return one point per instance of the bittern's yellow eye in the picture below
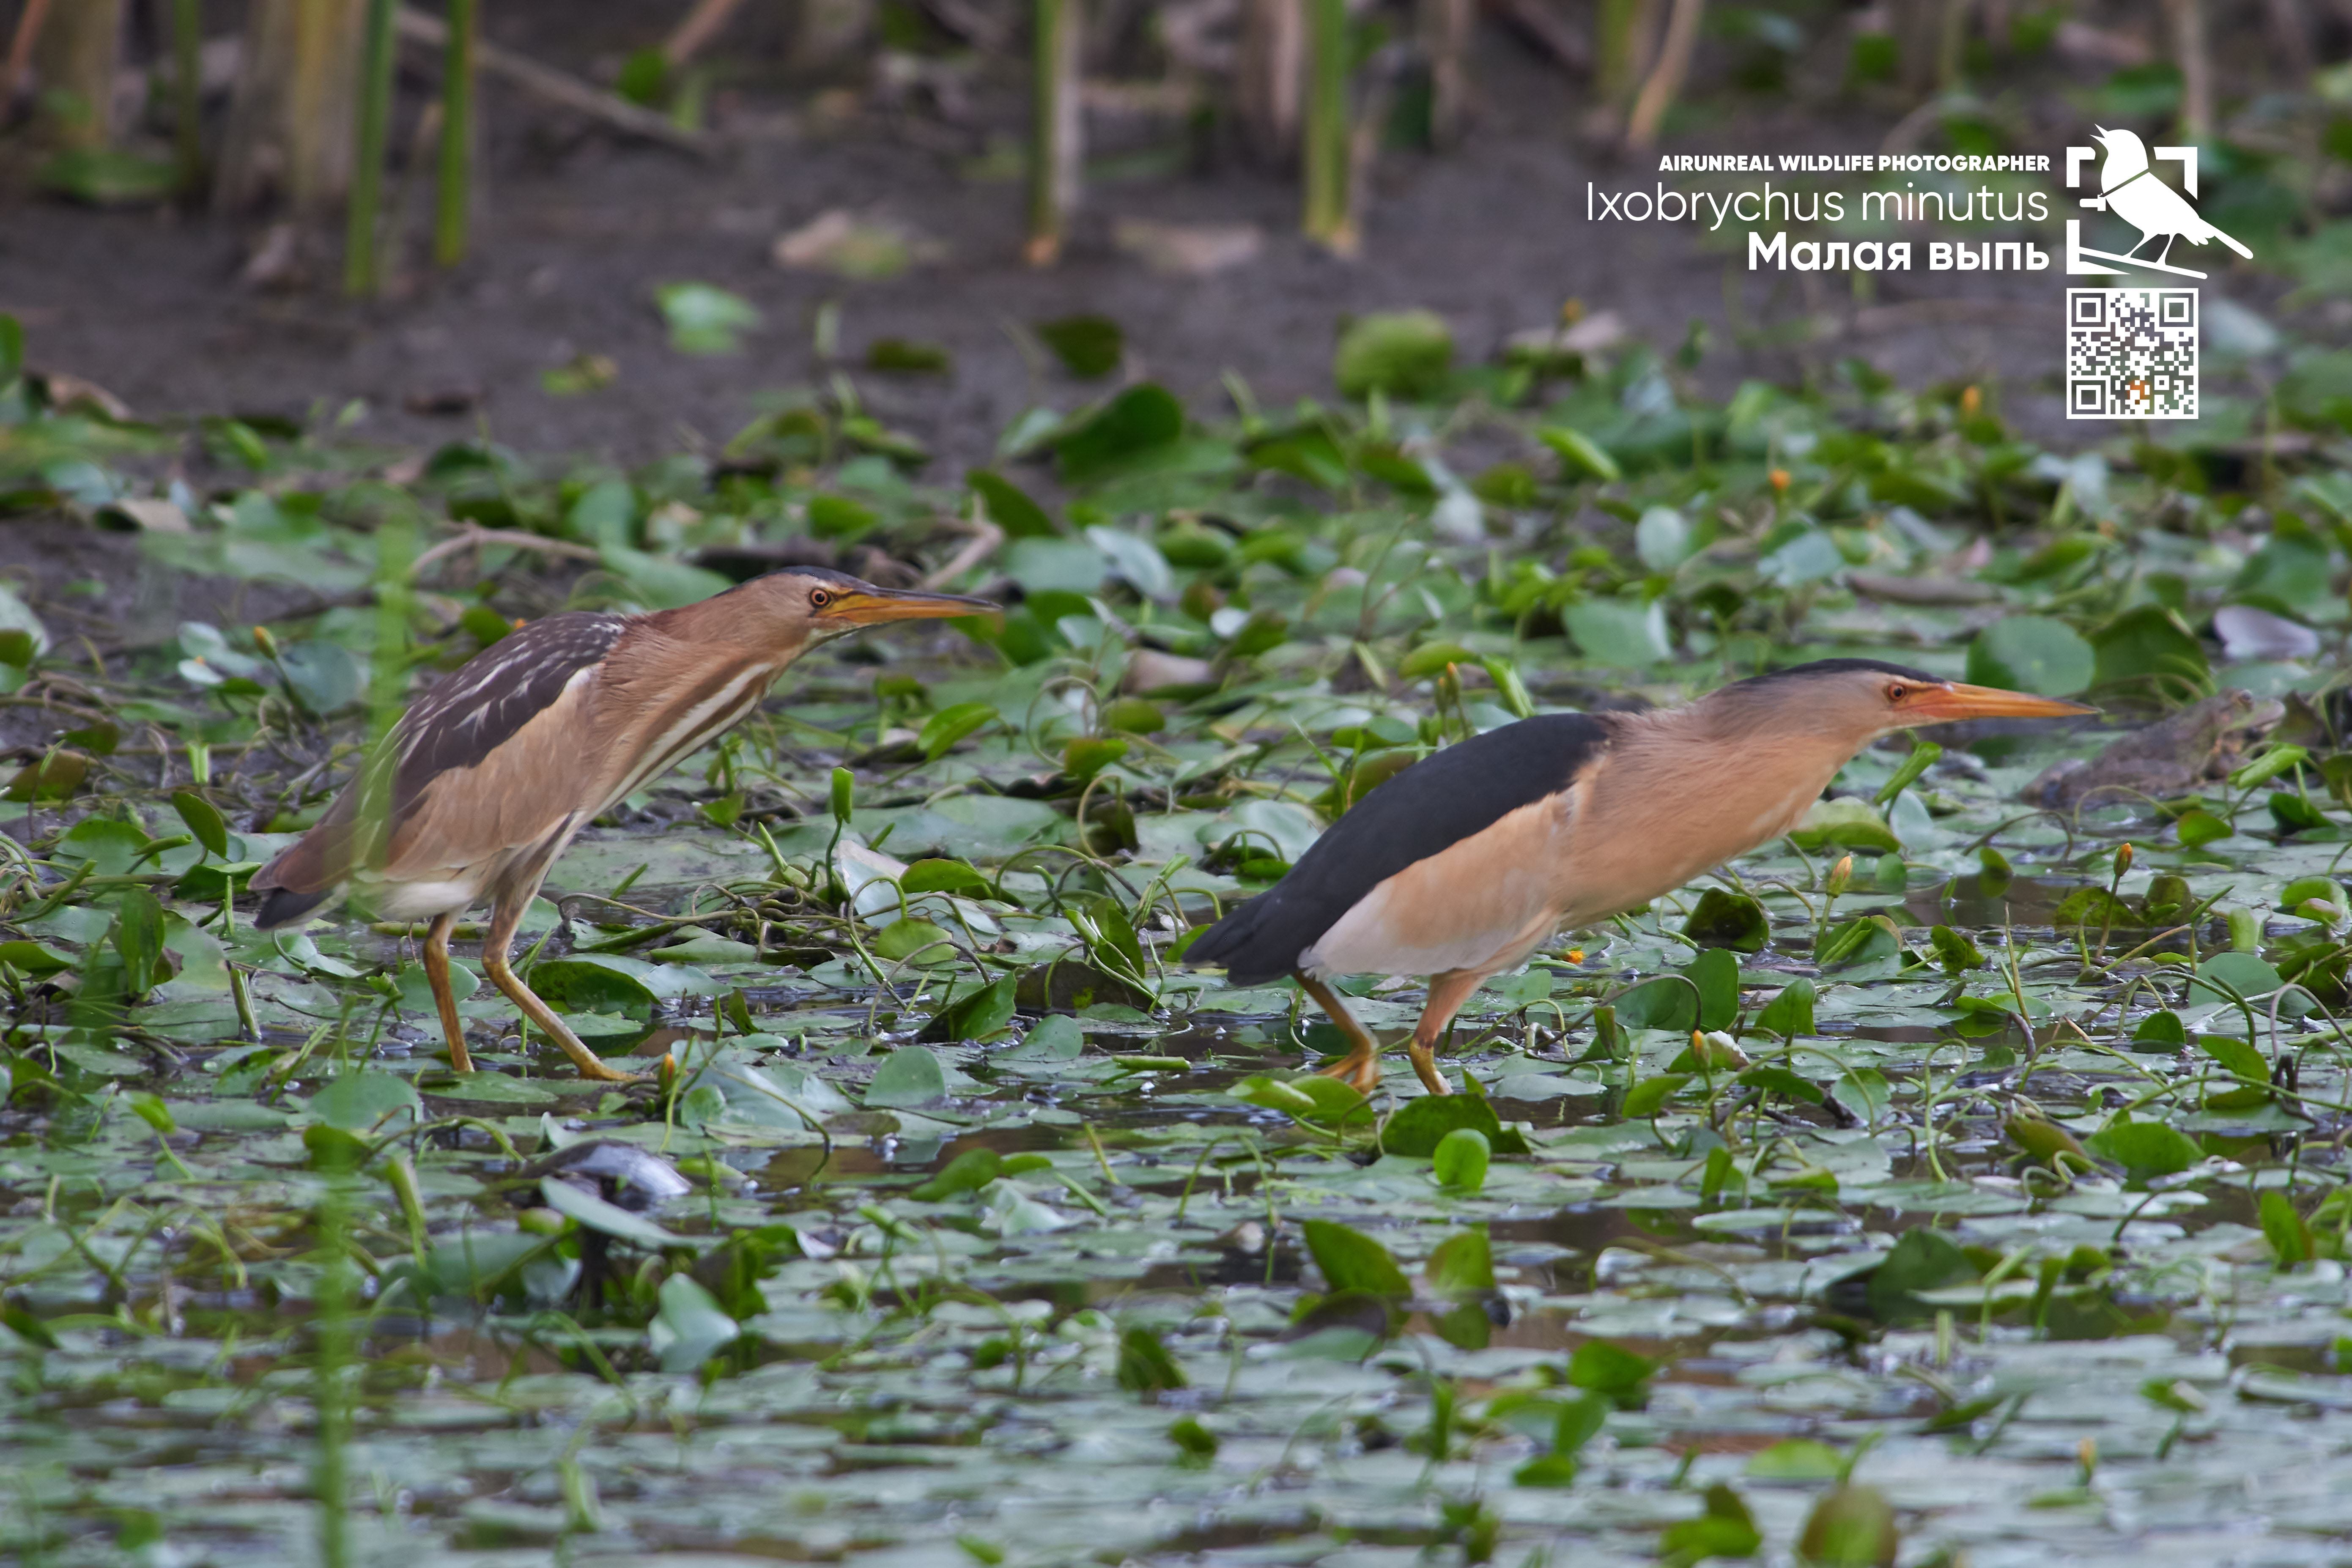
(1897, 694)
(819, 598)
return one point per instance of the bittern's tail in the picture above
(284, 907)
(1235, 943)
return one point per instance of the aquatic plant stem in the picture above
(455, 197)
(1056, 139)
(361, 242)
(1324, 215)
(188, 93)
(330, 1480)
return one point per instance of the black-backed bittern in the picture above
(482, 783)
(1461, 865)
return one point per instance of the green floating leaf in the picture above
(2032, 653)
(2145, 1149)
(1796, 1459)
(360, 1102)
(1790, 1012)
(1851, 1527)
(1195, 1443)
(1715, 974)
(918, 941)
(1613, 1371)
(203, 820)
(1956, 952)
(1463, 1263)
(2287, 1232)
(689, 1326)
(1459, 1160)
(1009, 506)
(1847, 823)
(705, 320)
(609, 1219)
(904, 356)
(139, 939)
(1417, 1130)
(2149, 645)
(1580, 455)
(1923, 1259)
(1726, 1529)
(1145, 1367)
(967, 1173)
(1088, 345)
(1404, 353)
(1649, 1097)
(2198, 828)
(1667, 1001)
(1619, 634)
(1432, 657)
(1722, 917)
(909, 1076)
(1351, 1261)
(1141, 420)
(979, 1013)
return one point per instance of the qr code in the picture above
(2131, 354)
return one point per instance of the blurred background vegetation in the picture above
(357, 122)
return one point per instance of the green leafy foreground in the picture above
(1962, 1177)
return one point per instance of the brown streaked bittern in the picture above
(482, 783)
(1461, 865)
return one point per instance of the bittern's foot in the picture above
(1360, 1070)
(1424, 1067)
(592, 1067)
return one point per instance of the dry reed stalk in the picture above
(1666, 80)
(1273, 64)
(1445, 30)
(290, 128)
(1058, 130)
(76, 55)
(2184, 27)
(1323, 215)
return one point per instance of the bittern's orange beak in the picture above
(865, 606)
(1951, 703)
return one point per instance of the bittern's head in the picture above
(1853, 701)
(813, 604)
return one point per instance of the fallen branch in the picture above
(701, 25)
(20, 51)
(985, 537)
(1548, 30)
(513, 538)
(556, 86)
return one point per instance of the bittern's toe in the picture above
(1360, 1070)
(1424, 1067)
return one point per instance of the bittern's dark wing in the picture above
(465, 718)
(1430, 807)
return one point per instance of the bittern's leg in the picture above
(1360, 1067)
(504, 919)
(436, 974)
(1447, 992)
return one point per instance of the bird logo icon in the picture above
(2129, 188)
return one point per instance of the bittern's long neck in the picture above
(1684, 789)
(666, 691)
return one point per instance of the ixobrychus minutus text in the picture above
(1461, 865)
(481, 784)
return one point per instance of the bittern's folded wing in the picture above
(1428, 808)
(468, 722)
